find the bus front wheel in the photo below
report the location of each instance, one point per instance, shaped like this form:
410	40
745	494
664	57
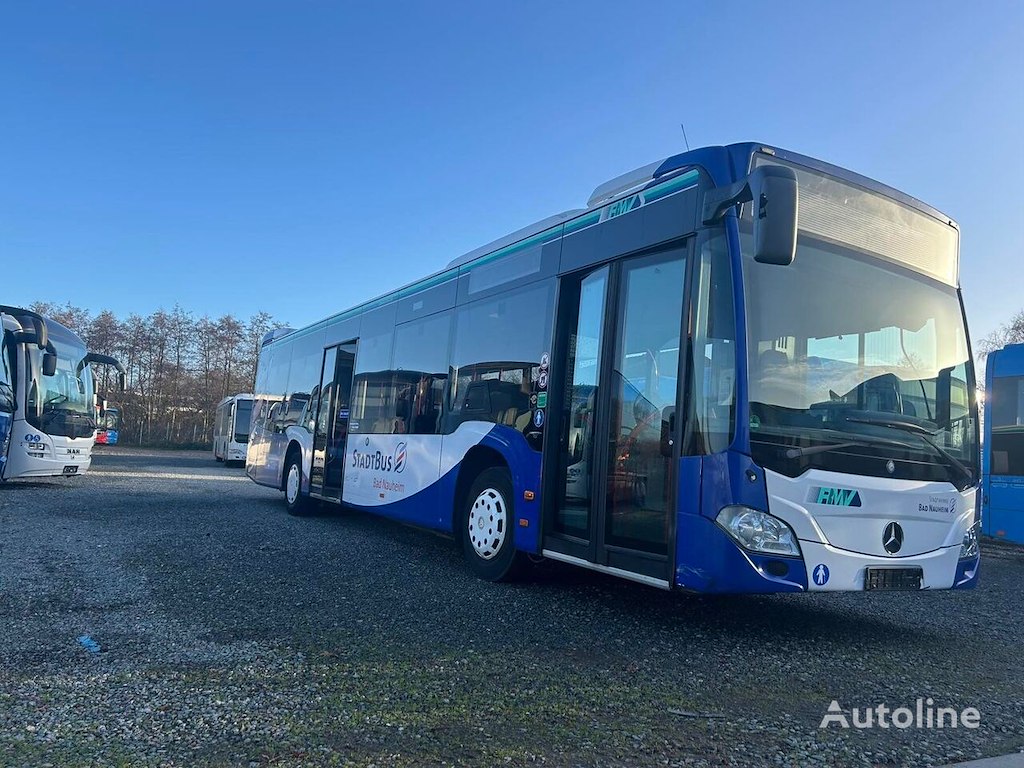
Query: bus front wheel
487	527
297	503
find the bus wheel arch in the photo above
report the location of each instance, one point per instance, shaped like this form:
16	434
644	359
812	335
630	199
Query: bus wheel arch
484	497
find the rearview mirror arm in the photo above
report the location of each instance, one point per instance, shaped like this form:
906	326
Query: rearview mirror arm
718	201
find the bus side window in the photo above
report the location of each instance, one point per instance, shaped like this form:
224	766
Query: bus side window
498	345
714	353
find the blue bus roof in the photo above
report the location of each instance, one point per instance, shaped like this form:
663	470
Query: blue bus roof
1007	361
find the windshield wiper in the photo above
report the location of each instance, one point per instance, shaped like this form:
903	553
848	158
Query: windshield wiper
922	432
810	450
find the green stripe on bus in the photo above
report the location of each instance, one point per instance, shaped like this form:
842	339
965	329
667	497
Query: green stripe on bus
583	221
541	238
661	190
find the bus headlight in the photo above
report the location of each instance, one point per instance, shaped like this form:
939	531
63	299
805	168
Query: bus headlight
758	531
969	546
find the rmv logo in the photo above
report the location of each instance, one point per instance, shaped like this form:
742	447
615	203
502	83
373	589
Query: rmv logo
837	497
625	205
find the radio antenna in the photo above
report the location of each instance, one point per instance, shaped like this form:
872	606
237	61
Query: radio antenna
686	140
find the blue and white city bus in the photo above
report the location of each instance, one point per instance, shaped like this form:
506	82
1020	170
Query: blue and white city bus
1002	459
53	418
736	370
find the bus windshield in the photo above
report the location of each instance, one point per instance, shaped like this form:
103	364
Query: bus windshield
861	352
111	419
243	416
61	404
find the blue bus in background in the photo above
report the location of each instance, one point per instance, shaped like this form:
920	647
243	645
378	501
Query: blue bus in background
737	369
1003	455
108	423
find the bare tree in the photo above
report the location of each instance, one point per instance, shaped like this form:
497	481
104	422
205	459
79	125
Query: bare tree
1011	332
178	367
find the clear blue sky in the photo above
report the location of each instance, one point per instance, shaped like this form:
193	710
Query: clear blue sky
299	157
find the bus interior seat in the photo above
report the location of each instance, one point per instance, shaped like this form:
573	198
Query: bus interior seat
501	402
523	421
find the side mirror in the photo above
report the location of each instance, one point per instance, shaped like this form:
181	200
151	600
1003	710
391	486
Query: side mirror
49	364
122	381
42	337
775	200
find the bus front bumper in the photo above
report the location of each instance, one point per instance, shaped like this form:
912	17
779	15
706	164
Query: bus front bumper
708	560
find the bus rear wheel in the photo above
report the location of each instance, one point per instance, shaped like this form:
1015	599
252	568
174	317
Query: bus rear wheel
296	503
487	527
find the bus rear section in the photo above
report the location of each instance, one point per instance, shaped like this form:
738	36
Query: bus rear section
231	429
662	386
1003	456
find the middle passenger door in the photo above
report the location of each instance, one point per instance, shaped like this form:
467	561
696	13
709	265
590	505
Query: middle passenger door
330	421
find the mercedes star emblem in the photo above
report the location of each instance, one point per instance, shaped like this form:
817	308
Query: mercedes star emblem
892	538
890	466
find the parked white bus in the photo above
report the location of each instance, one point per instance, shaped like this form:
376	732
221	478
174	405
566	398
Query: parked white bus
52	422
231	429
13	321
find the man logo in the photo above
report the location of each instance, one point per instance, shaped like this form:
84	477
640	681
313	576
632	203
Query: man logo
892	538
400	453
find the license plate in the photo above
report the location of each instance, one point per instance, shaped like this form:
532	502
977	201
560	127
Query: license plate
71	469
893	579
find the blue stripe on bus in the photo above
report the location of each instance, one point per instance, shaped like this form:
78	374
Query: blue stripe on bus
428	507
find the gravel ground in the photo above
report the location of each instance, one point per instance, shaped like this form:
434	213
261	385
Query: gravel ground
230	633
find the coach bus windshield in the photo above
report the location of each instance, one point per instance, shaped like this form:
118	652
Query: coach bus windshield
61	404
854	357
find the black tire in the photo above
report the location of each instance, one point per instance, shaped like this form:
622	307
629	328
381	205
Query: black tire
294	500
487	527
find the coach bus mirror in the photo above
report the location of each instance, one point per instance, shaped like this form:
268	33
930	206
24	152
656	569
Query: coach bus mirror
42	337
775	202
49	364
122	381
